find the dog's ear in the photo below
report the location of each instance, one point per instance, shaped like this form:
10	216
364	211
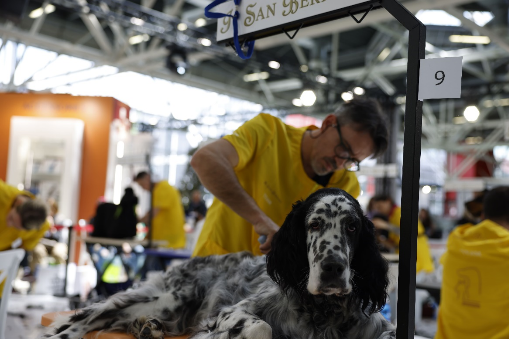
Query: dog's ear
287	262
370	277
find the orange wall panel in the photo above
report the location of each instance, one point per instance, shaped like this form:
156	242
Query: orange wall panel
95	112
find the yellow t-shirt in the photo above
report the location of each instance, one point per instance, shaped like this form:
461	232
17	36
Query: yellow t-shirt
270	169
475	284
8	235
168	224
424	259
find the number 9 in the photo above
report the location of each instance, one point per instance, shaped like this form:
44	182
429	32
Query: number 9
440	78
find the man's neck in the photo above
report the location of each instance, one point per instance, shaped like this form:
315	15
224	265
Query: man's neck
502	223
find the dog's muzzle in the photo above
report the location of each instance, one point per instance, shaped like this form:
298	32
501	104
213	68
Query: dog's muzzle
334	276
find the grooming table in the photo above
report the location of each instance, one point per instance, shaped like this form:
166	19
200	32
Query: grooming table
48	318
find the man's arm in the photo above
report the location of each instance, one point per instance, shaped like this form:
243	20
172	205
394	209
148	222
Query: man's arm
214	164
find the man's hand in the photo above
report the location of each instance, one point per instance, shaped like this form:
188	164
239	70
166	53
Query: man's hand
268	228
381	224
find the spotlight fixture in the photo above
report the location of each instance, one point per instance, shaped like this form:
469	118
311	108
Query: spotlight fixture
347	96
308	98
200	22
297	102
177	59
359	91
274	64
321	79
182	27
138	39
49	8
205	42
426	189
471	113
304	68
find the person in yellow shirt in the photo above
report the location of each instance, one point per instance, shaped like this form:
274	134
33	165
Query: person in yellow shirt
167	211
384	205
22	220
260	170
475	290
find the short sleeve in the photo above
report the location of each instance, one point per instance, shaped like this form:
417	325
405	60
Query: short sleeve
162	195
252	137
347	181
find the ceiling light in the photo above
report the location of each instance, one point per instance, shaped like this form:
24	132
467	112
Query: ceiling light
496	102
205	42
181	70
426	189
304	68
471	113
384	54
137	21
470	39
200	22
297	102
347	96
274	64
401	100
458	120
321	79
36	13
182	27
473	140
256	76
308	98
359	90
138	38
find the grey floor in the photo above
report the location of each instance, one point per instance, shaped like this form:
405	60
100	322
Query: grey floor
25	311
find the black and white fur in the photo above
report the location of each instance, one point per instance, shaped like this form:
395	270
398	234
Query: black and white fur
324	278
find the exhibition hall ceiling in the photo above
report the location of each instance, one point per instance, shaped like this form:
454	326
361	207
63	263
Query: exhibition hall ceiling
172	40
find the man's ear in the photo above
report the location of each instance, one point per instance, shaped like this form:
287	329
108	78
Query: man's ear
329	121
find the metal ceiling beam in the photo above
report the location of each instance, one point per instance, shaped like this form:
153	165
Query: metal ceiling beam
398	66
36	26
283	85
348	24
95	28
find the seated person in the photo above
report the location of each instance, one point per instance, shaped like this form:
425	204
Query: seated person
22	219
384	205
475	289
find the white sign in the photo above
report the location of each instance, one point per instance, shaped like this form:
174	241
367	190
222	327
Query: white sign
256	15
440	78
467	185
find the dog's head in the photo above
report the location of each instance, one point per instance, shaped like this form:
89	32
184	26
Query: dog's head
327	246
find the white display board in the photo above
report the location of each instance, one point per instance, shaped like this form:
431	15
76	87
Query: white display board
257	15
28	132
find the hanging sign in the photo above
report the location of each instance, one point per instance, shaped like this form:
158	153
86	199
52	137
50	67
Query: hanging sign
260	15
440	78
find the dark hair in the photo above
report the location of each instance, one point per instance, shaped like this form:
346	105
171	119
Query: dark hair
496	204
382	197
141	175
365	115
33	214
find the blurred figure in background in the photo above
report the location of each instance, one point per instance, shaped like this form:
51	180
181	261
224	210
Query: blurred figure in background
196	208
167	211
384	205
475	289
429	225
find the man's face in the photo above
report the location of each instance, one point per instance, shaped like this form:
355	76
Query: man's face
144	182
382	207
330	149
14	219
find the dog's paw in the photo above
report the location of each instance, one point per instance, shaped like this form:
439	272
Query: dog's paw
146	328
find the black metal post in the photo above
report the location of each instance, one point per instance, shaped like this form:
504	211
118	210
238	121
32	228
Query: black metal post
411	168
150	211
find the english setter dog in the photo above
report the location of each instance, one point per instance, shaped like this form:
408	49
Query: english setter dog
324	278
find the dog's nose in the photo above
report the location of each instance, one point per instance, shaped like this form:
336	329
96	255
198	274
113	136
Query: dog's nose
332	268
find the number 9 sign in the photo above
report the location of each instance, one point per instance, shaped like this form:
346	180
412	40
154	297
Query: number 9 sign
440	78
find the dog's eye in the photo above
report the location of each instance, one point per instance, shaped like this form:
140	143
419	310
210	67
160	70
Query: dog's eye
315	225
351	228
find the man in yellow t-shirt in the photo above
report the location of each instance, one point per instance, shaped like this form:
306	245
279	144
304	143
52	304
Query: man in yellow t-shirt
384	205
22	220
260	170
475	290
167	211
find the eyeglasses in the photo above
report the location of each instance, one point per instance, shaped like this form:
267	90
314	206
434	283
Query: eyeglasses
344	152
